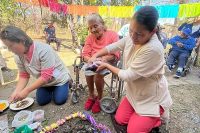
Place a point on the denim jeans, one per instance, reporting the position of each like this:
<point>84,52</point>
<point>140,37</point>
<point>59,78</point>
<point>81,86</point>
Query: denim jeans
<point>180,56</point>
<point>59,94</point>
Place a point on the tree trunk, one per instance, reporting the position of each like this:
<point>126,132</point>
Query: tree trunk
<point>73,32</point>
<point>40,9</point>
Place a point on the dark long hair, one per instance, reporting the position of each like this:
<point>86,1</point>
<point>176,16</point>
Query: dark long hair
<point>148,17</point>
<point>15,34</point>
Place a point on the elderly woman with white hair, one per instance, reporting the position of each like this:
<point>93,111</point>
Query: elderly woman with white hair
<point>98,39</point>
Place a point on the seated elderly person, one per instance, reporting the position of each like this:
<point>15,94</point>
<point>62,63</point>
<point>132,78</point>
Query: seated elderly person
<point>194,27</point>
<point>50,34</point>
<point>181,49</point>
<point>98,39</point>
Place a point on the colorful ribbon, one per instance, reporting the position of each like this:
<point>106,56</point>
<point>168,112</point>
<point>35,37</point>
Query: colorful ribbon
<point>85,116</point>
<point>165,11</point>
<point>189,10</point>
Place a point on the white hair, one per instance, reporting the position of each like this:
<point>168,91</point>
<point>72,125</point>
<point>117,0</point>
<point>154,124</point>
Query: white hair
<point>95,17</point>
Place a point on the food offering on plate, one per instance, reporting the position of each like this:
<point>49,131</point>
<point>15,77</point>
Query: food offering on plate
<point>3,105</point>
<point>23,104</point>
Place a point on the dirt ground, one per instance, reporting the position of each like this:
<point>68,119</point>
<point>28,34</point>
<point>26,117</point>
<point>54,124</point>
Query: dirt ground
<point>184,114</point>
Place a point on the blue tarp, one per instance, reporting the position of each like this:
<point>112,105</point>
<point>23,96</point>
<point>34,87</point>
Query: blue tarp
<point>165,11</point>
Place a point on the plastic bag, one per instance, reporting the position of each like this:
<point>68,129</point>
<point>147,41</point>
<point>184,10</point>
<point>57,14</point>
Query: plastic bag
<point>34,126</point>
<point>23,117</point>
<point>38,115</point>
<point>23,129</point>
<point>92,67</point>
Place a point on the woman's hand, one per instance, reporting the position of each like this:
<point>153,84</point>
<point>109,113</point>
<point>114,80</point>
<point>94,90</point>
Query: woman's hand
<point>17,96</point>
<point>179,44</point>
<point>23,94</point>
<point>13,96</point>
<point>101,65</point>
<point>92,59</point>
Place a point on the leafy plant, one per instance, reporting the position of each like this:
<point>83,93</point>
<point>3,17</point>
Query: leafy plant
<point>82,32</point>
<point>7,12</point>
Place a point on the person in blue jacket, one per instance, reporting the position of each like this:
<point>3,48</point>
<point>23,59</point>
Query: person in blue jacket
<point>194,27</point>
<point>182,46</point>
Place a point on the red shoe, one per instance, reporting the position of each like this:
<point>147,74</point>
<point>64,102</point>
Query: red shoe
<point>89,103</point>
<point>96,107</point>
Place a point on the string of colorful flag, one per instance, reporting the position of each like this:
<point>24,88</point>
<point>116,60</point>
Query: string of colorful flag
<point>165,11</point>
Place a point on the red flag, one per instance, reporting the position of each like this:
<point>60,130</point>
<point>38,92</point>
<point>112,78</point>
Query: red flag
<point>46,2</point>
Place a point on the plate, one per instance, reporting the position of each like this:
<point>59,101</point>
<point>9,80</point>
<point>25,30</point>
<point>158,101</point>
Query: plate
<point>23,104</point>
<point>3,105</point>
